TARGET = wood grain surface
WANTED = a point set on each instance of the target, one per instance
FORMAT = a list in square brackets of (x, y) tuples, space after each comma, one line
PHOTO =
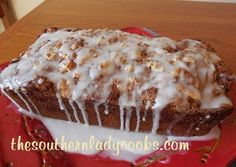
[(212, 22)]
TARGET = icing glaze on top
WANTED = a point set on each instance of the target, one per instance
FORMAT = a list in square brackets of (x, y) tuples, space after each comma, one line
[(84, 64)]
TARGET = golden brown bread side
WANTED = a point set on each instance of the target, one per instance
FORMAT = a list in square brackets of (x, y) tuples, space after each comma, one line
[(181, 119)]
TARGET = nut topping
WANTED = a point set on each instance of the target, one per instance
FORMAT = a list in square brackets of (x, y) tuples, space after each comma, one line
[(63, 55), (101, 41), (188, 59), (176, 73), (64, 88), (74, 56), (113, 40), (76, 77), (58, 45), (141, 55), (50, 56), (77, 44), (193, 94), (177, 58), (155, 66), (105, 64), (123, 45), (123, 59), (70, 65), (129, 68)]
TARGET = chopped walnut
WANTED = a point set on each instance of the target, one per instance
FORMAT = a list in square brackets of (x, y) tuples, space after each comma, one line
[(193, 94), (113, 39), (143, 45), (64, 88), (76, 77), (91, 54), (131, 86), (63, 55), (58, 45), (170, 49), (196, 83), (176, 58), (129, 68), (123, 45), (74, 46), (180, 87), (74, 56), (101, 41), (155, 66), (50, 29), (176, 73), (149, 95), (141, 55), (133, 79), (105, 64), (77, 44), (84, 59), (123, 59), (51, 56), (70, 65), (188, 59)]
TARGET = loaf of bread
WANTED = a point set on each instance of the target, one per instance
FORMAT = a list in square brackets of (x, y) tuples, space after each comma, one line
[(114, 79)]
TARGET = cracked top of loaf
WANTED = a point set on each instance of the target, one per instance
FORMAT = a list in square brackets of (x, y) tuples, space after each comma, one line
[(149, 72)]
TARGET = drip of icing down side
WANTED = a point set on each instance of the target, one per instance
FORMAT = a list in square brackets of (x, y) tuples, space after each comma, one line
[(74, 111), (82, 108), (98, 114), (62, 106)]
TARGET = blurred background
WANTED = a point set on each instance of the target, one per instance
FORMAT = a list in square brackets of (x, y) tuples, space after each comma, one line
[(13, 10)]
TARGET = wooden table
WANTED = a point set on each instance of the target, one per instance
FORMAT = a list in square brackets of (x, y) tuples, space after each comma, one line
[(212, 22)]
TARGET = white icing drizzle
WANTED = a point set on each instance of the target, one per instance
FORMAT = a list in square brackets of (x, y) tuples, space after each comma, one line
[(213, 101), (89, 61), (148, 105), (9, 97), (162, 99), (81, 105), (98, 114), (62, 106), (144, 116), (23, 99), (127, 118), (121, 117), (138, 118), (74, 111)]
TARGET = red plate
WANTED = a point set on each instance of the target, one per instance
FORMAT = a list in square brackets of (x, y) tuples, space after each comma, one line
[(214, 153)]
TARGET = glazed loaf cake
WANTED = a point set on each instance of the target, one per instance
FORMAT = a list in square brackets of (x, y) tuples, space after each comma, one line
[(114, 79)]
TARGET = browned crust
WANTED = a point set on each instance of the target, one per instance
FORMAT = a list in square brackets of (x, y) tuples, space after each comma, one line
[(173, 120)]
